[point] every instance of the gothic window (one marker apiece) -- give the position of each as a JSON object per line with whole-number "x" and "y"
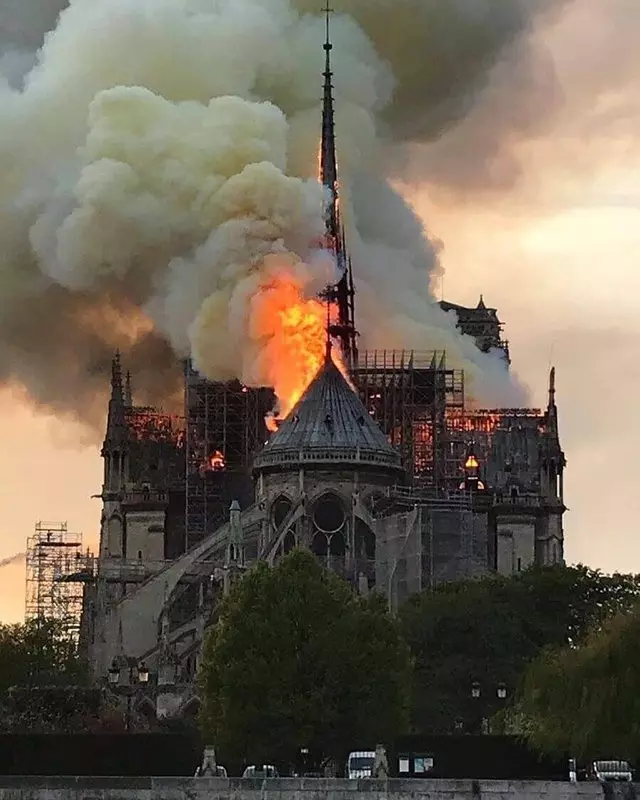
{"x": 279, "y": 510}
{"x": 289, "y": 542}
{"x": 337, "y": 545}
{"x": 320, "y": 545}
{"x": 329, "y": 514}
{"x": 115, "y": 536}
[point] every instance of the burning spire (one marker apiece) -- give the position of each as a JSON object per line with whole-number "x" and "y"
{"x": 342, "y": 293}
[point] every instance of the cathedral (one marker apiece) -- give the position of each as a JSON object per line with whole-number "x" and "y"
{"x": 385, "y": 475}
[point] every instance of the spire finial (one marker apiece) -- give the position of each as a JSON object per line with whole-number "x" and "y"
{"x": 552, "y": 387}
{"x": 327, "y": 15}
{"x": 342, "y": 292}
{"x": 128, "y": 395}
{"x": 328, "y": 162}
{"x": 116, "y": 377}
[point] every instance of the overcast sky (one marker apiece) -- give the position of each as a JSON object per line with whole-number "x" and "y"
{"x": 549, "y": 232}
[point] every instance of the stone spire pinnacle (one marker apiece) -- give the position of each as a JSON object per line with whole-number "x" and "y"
{"x": 128, "y": 396}
{"x": 328, "y": 160}
{"x": 552, "y": 409}
{"x": 342, "y": 293}
{"x": 117, "y": 393}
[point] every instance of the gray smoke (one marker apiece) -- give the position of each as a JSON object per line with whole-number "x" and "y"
{"x": 14, "y": 559}
{"x": 96, "y": 256}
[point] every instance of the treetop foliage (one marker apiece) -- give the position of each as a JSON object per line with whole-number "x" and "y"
{"x": 297, "y": 660}
{"x": 37, "y": 652}
{"x": 586, "y": 699}
{"x": 487, "y": 631}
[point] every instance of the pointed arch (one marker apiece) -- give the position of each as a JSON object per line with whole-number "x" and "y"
{"x": 289, "y": 542}
{"x": 320, "y": 544}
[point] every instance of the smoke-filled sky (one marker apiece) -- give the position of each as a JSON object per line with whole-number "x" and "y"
{"x": 509, "y": 126}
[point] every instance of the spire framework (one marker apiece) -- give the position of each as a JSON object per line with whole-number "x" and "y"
{"x": 341, "y": 293}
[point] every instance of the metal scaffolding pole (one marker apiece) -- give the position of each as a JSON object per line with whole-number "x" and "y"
{"x": 53, "y": 553}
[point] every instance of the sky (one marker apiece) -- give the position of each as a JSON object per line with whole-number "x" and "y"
{"x": 548, "y": 230}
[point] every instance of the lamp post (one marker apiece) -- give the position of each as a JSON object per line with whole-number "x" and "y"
{"x": 501, "y": 693}
{"x": 136, "y": 677}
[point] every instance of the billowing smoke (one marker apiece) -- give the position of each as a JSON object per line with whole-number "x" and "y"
{"x": 14, "y": 559}
{"x": 160, "y": 160}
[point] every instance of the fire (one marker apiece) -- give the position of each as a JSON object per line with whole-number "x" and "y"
{"x": 472, "y": 463}
{"x": 216, "y": 461}
{"x": 294, "y": 329}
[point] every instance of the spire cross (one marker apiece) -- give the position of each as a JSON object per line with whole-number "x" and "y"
{"x": 328, "y": 11}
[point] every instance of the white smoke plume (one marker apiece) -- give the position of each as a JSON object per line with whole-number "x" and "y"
{"x": 160, "y": 159}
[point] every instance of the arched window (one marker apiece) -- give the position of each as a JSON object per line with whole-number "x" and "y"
{"x": 289, "y": 542}
{"x": 279, "y": 510}
{"x": 328, "y": 513}
{"x": 337, "y": 545}
{"x": 320, "y": 545}
{"x": 115, "y": 536}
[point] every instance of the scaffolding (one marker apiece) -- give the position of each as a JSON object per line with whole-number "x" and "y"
{"x": 54, "y": 553}
{"x": 225, "y": 429}
{"x": 410, "y": 394}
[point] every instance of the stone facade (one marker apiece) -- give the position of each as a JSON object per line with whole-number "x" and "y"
{"x": 328, "y": 481}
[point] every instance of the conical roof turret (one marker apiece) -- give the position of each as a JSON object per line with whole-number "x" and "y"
{"x": 328, "y": 426}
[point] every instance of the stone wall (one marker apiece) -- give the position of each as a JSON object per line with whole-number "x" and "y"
{"x": 70, "y": 788}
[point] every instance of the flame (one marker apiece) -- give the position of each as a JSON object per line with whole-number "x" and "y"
{"x": 294, "y": 329}
{"x": 471, "y": 463}
{"x": 216, "y": 461}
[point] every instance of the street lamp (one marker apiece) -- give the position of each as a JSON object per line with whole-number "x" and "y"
{"x": 143, "y": 673}
{"x": 137, "y": 678}
{"x": 114, "y": 673}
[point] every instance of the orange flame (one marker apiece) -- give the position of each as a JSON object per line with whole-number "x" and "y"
{"x": 294, "y": 329}
{"x": 216, "y": 461}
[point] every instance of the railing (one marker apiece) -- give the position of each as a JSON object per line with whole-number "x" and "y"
{"x": 327, "y": 454}
{"x": 146, "y": 496}
{"x": 462, "y": 501}
{"x": 519, "y": 500}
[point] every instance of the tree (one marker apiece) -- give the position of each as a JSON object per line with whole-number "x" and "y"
{"x": 42, "y": 680}
{"x": 297, "y": 660}
{"x": 37, "y": 652}
{"x": 461, "y": 635}
{"x": 585, "y": 699}
{"x": 487, "y": 632}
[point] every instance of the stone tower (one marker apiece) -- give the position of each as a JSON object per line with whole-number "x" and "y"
{"x": 116, "y": 464}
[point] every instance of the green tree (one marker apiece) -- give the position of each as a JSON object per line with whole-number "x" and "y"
{"x": 37, "y": 652}
{"x": 297, "y": 660}
{"x": 489, "y": 630}
{"x": 585, "y": 699}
